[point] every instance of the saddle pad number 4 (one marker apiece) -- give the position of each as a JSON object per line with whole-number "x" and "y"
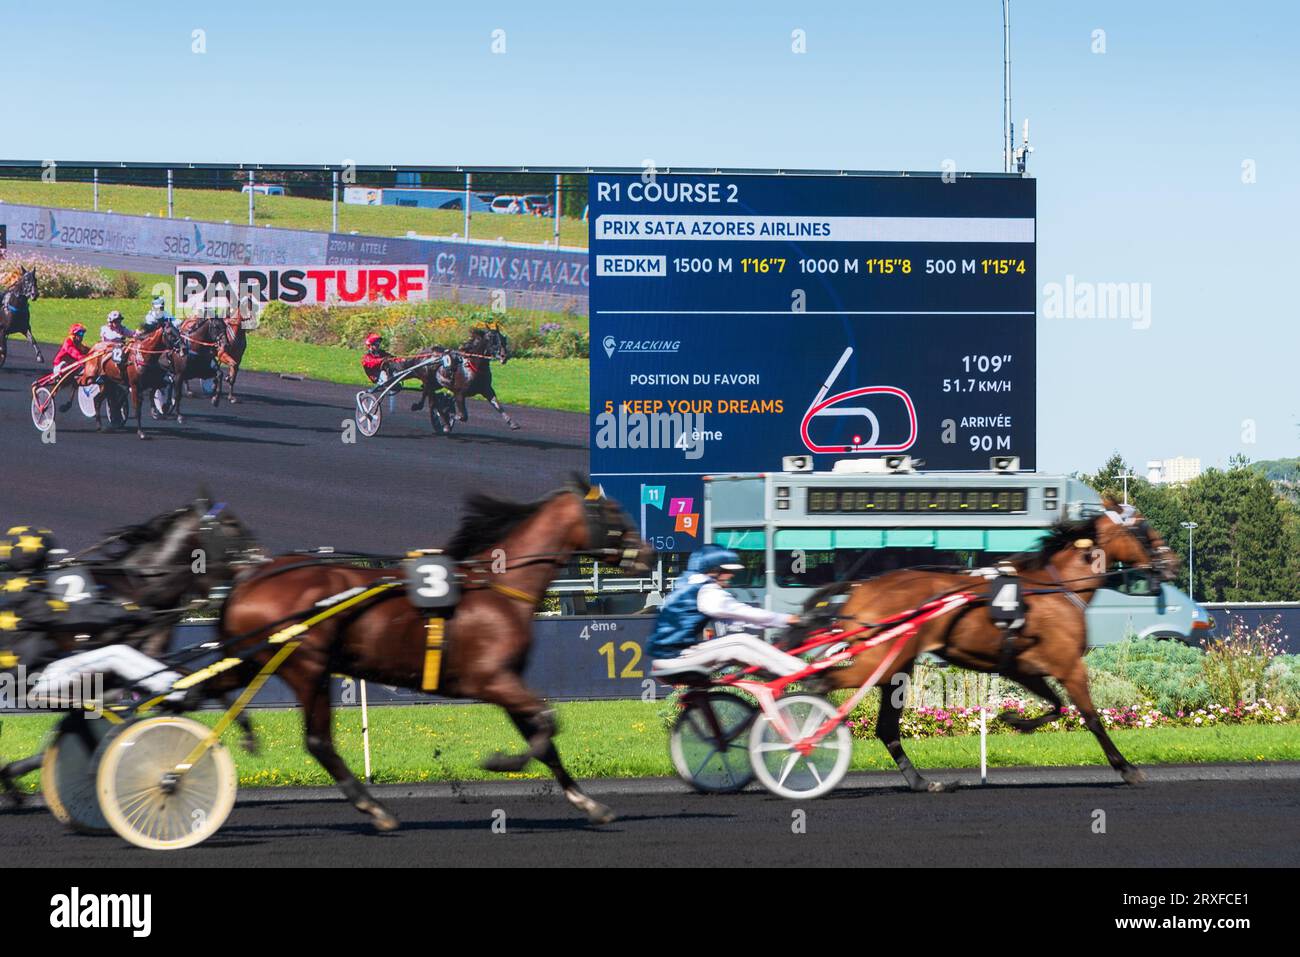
{"x": 1006, "y": 606}
{"x": 431, "y": 582}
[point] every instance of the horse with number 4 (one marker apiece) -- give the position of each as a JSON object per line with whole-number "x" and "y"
{"x": 1024, "y": 619}
{"x": 1034, "y": 631}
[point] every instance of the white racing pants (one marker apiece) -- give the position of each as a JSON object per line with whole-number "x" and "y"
{"x": 121, "y": 660}
{"x": 728, "y": 650}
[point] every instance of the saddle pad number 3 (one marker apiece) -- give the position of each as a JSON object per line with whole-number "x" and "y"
{"x": 431, "y": 582}
{"x": 1006, "y": 605}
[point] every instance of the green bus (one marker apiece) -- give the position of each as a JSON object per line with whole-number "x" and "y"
{"x": 797, "y": 530}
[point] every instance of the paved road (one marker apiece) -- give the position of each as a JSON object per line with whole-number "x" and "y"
{"x": 1037, "y": 818}
{"x": 278, "y": 459}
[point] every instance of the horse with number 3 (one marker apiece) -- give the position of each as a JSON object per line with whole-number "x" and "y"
{"x": 458, "y": 623}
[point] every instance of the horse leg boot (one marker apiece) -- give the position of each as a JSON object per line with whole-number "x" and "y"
{"x": 496, "y": 404}
{"x": 230, "y": 381}
{"x": 888, "y": 732}
{"x": 1076, "y": 686}
{"x": 596, "y": 812}
{"x": 320, "y": 744}
{"x": 1039, "y": 686}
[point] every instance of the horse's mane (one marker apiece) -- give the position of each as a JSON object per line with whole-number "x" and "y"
{"x": 488, "y": 520}
{"x": 147, "y": 531}
{"x": 1060, "y": 536}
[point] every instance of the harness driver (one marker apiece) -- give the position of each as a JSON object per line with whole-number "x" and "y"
{"x": 678, "y": 645}
{"x": 30, "y": 611}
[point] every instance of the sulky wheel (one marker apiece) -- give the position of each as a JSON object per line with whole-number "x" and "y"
{"x": 788, "y": 766}
{"x": 151, "y": 802}
{"x": 164, "y": 400}
{"x": 86, "y": 399}
{"x": 43, "y": 408}
{"x": 707, "y": 743}
{"x": 68, "y": 774}
{"x": 369, "y": 413}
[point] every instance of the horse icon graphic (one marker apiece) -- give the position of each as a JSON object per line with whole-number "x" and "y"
{"x": 868, "y": 440}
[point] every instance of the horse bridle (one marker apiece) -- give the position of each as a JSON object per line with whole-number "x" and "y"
{"x": 611, "y": 550}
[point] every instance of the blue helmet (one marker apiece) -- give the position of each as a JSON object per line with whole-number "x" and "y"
{"x": 710, "y": 557}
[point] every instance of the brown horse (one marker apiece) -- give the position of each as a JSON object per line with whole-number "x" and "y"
{"x": 152, "y": 361}
{"x": 508, "y": 553}
{"x": 1057, "y": 583}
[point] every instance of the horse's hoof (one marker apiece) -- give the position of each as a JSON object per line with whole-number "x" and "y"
{"x": 180, "y": 419}
{"x": 600, "y": 814}
{"x": 379, "y": 816}
{"x": 251, "y": 746}
{"x": 942, "y": 787}
{"x": 1133, "y": 775}
{"x": 1013, "y": 720}
{"x": 506, "y": 763}
{"x": 141, "y": 435}
{"x": 234, "y": 401}
{"x": 383, "y": 821}
{"x": 514, "y": 426}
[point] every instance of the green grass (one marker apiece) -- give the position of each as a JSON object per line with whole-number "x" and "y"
{"x": 540, "y": 383}
{"x": 627, "y": 739}
{"x": 291, "y": 212}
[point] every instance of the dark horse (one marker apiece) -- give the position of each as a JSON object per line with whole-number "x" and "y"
{"x": 1058, "y": 581}
{"x": 216, "y": 348}
{"x": 153, "y": 564}
{"x": 470, "y": 374}
{"x": 488, "y": 637}
{"x": 16, "y": 313}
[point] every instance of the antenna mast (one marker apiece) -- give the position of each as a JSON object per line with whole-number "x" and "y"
{"x": 1006, "y": 86}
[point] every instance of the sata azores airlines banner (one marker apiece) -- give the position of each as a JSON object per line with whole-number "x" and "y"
{"x": 736, "y": 320}
{"x": 555, "y": 272}
{"x": 303, "y": 285}
{"x": 149, "y": 237}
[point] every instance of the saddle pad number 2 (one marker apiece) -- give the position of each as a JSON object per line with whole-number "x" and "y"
{"x": 431, "y": 582}
{"x": 73, "y": 586}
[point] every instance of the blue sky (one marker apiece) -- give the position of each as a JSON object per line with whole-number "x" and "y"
{"x": 1139, "y": 150}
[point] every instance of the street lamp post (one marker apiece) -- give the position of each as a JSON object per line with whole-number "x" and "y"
{"x": 1191, "y": 560}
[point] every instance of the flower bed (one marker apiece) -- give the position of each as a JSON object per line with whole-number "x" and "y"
{"x": 937, "y": 722}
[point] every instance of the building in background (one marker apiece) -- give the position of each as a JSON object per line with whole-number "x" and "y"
{"x": 1175, "y": 471}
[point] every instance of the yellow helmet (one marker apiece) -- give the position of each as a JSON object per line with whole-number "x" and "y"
{"x": 26, "y": 548}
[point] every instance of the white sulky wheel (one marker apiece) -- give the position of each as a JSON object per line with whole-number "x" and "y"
{"x": 68, "y": 774}
{"x": 785, "y": 769}
{"x": 43, "y": 408}
{"x": 162, "y": 401}
{"x": 86, "y": 399}
{"x": 370, "y": 414}
{"x": 147, "y": 802}
{"x": 707, "y": 743}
